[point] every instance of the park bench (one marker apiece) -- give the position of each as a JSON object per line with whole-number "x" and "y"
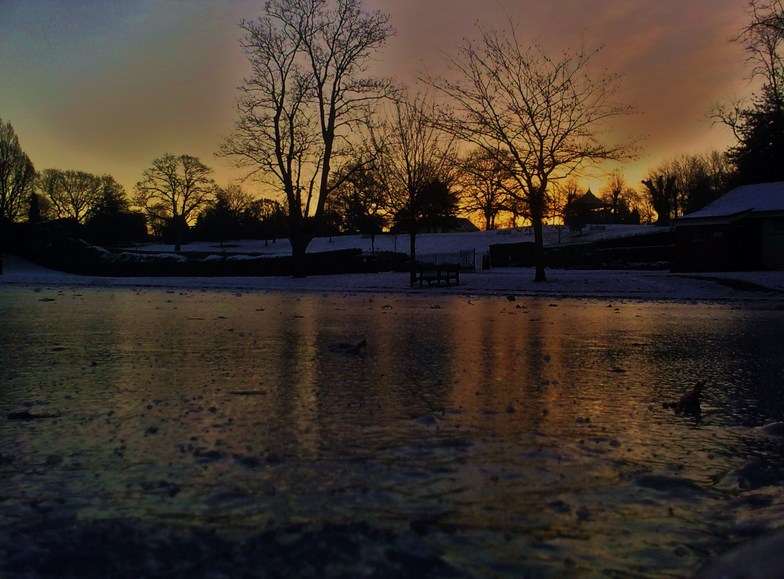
{"x": 436, "y": 273}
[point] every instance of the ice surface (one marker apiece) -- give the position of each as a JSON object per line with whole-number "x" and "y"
{"x": 474, "y": 434}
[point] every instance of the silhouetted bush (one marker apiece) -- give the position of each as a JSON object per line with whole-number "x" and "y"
{"x": 117, "y": 229}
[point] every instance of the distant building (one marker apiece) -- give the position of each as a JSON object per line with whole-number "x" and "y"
{"x": 464, "y": 225}
{"x": 591, "y": 201}
{"x": 742, "y": 230}
{"x": 457, "y": 225}
{"x": 594, "y": 209}
{"x": 587, "y": 209}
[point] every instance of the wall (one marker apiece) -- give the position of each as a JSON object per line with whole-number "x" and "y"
{"x": 773, "y": 243}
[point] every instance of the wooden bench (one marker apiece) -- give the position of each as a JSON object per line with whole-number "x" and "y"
{"x": 435, "y": 274}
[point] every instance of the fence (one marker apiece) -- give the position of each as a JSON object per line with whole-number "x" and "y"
{"x": 465, "y": 258}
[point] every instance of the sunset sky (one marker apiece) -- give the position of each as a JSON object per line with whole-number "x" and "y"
{"x": 106, "y": 86}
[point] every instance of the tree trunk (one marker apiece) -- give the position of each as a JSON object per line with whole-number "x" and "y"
{"x": 179, "y": 232}
{"x": 412, "y": 248}
{"x": 299, "y": 246}
{"x": 662, "y": 210}
{"x": 536, "y": 221}
{"x": 300, "y": 236}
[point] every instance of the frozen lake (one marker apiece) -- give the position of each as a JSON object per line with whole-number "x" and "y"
{"x": 201, "y": 431}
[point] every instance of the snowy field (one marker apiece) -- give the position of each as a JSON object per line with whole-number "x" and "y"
{"x": 427, "y": 243}
{"x": 594, "y": 284}
{"x": 648, "y": 285}
{"x": 600, "y": 284}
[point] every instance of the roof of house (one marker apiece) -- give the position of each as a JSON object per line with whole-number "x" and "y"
{"x": 760, "y": 198}
{"x": 590, "y": 200}
{"x": 464, "y": 224}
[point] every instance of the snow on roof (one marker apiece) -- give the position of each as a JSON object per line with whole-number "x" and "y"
{"x": 760, "y": 198}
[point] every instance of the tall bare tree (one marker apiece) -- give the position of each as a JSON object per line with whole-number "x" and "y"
{"x": 413, "y": 156}
{"x": 763, "y": 39}
{"x": 540, "y": 116}
{"x": 174, "y": 189}
{"x": 17, "y": 174}
{"x": 307, "y": 94}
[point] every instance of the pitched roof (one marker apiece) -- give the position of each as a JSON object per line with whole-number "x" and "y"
{"x": 760, "y": 198}
{"x": 590, "y": 200}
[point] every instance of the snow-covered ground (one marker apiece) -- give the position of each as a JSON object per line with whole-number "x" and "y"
{"x": 599, "y": 284}
{"x": 426, "y": 243}
{"x": 596, "y": 284}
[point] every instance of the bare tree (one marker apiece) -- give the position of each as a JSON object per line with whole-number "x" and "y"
{"x": 17, "y": 174}
{"x": 698, "y": 179}
{"x": 540, "y": 116}
{"x": 662, "y": 190}
{"x": 623, "y": 201}
{"x": 79, "y": 195}
{"x": 413, "y": 155}
{"x": 236, "y": 199}
{"x": 763, "y": 39}
{"x": 758, "y": 123}
{"x": 484, "y": 188}
{"x": 174, "y": 189}
{"x": 562, "y": 196}
{"x": 307, "y": 93}
{"x": 72, "y": 194}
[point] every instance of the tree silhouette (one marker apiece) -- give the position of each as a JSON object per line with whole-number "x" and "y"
{"x": 760, "y": 150}
{"x": 72, "y": 194}
{"x": 174, "y": 189}
{"x": 540, "y": 117}
{"x": 699, "y": 179}
{"x": 34, "y": 212}
{"x": 432, "y": 207}
{"x": 111, "y": 198}
{"x": 576, "y": 215}
{"x": 758, "y": 126}
{"x": 110, "y": 220}
{"x": 663, "y": 193}
{"x": 360, "y": 199}
{"x": 413, "y": 156}
{"x": 17, "y": 174}
{"x": 484, "y": 186}
{"x": 306, "y": 96}
{"x": 621, "y": 199}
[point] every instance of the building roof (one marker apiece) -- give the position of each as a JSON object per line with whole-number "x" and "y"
{"x": 590, "y": 200}
{"x": 760, "y": 198}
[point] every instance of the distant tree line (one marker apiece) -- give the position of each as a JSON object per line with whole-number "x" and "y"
{"x": 177, "y": 201}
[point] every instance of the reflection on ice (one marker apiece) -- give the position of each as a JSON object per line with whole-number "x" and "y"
{"x": 485, "y": 435}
